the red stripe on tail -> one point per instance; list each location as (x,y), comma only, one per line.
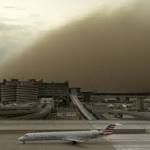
(109,129)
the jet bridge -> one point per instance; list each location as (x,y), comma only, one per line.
(79,105)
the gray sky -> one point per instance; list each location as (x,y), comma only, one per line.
(22,21)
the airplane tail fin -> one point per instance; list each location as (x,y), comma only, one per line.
(109,129)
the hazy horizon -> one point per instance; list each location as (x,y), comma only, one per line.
(105,50)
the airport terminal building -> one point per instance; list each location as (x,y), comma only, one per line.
(31,90)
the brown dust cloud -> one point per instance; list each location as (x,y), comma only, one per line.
(107,51)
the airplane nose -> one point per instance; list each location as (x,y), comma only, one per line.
(21,138)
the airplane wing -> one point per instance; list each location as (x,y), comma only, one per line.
(71,139)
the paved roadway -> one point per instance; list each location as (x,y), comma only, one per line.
(113,142)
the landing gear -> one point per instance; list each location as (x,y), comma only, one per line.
(74,142)
(23,142)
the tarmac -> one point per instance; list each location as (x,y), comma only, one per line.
(113,142)
(11,130)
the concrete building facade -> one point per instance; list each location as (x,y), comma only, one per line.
(27,91)
(55,90)
(8,91)
(31,91)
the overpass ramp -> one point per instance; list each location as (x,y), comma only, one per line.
(79,105)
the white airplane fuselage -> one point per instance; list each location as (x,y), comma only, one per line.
(62,135)
(71,136)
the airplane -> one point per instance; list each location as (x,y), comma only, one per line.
(70,136)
